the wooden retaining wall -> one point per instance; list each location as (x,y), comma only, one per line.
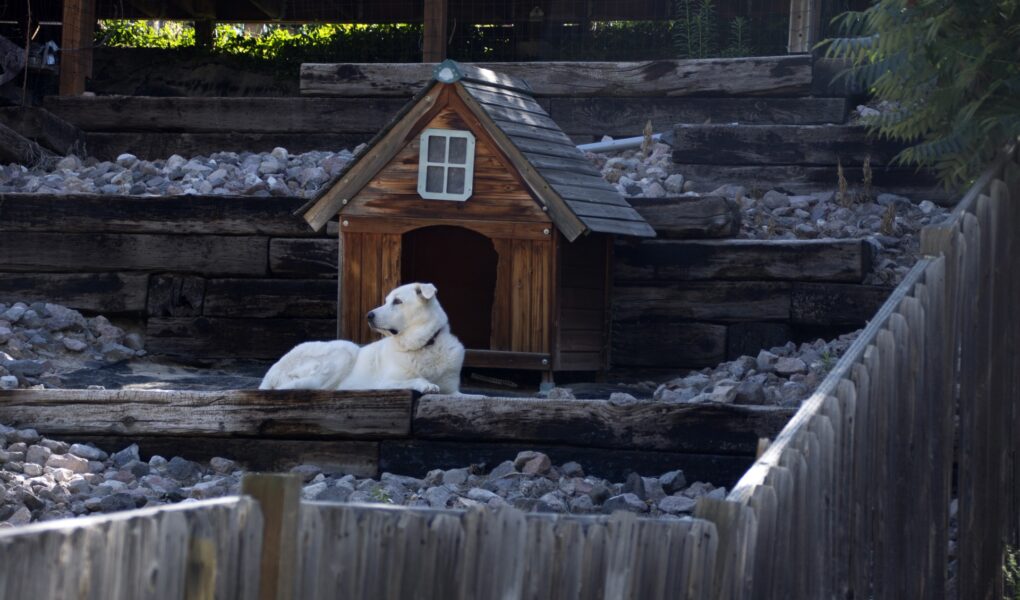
(368,433)
(240,277)
(853,498)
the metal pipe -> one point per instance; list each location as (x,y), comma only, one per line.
(615,145)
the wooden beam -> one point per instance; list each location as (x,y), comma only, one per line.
(79,27)
(279,497)
(781,76)
(268,414)
(44,128)
(805,25)
(15,148)
(434,44)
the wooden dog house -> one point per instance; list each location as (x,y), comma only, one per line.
(474,188)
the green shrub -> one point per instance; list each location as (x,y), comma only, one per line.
(950,71)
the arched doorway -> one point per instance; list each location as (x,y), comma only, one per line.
(462,264)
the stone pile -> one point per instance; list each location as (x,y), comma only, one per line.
(43,479)
(40,341)
(276,173)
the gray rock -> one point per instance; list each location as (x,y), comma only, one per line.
(751,390)
(635,484)
(723,394)
(621,399)
(123,457)
(68,461)
(627,502)
(674,183)
(117,502)
(437,497)
(677,504)
(22,516)
(455,476)
(481,495)
(37,455)
(337,493)
(221,465)
(113,352)
(558,393)
(307,472)
(773,200)
(23,436)
(766,361)
(208,489)
(729,190)
(31,469)
(582,504)
(181,469)
(551,502)
(8,382)
(673,481)
(312,491)
(572,469)
(502,469)
(74,345)
(787,366)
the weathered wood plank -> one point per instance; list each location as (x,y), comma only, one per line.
(205,338)
(758,76)
(279,498)
(304,257)
(225,114)
(799,179)
(795,260)
(779,145)
(357,457)
(151,145)
(270,298)
(748,338)
(645,425)
(624,117)
(703,301)
(44,128)
(264,413)
(91,213)
(176,551)
(834,304)
(667,344)
(16,148)
(690,217)
(227,255)
(109,293)
(418,457)
(175,296)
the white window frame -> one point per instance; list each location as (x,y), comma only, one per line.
(424,164)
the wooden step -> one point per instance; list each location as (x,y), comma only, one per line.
(44,128)
(805,145)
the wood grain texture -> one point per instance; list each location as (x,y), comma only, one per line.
(495,554)
(835,304)
(175,296)
(668,344)
(704,301)
(690,217)
(760,76)
(108,293)
(264,413)
(146,553)
(795,260)
(215,337)
(225,114)
(779,145)
(626,117)
(643,425)
(270,298)
(44,128)
(371,270)
(279,498)
(92,213)
(16,148)
(303,258)
(47,252)
(357,457)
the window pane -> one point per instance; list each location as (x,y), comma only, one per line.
(434,180)
(437,148)
(455,181)
(458,151)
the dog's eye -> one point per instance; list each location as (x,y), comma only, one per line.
(397,301)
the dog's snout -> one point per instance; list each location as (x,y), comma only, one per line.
(371,316)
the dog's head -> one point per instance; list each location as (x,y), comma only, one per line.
(411,314)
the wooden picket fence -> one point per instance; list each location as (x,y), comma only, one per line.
(852,500)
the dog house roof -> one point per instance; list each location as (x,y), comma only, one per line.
(578,199)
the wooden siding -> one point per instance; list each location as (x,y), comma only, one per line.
(370,269)
(583,304)
(521,315)
(498,192)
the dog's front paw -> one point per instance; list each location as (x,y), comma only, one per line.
(426,387)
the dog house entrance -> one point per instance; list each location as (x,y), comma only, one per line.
(462,264)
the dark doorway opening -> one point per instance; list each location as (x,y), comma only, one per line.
(462,265)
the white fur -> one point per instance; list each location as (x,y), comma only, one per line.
(401,360)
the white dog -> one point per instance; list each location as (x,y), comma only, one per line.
(417,352)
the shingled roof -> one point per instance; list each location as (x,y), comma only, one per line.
(578,199)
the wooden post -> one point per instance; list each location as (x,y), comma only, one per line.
(434,45)
(805,25)
(79,27)
(204,37)
(279,497)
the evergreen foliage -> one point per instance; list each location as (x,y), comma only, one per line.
(951,71)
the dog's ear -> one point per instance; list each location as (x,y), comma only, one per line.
(426,290)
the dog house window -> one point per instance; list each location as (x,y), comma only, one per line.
(446,164)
